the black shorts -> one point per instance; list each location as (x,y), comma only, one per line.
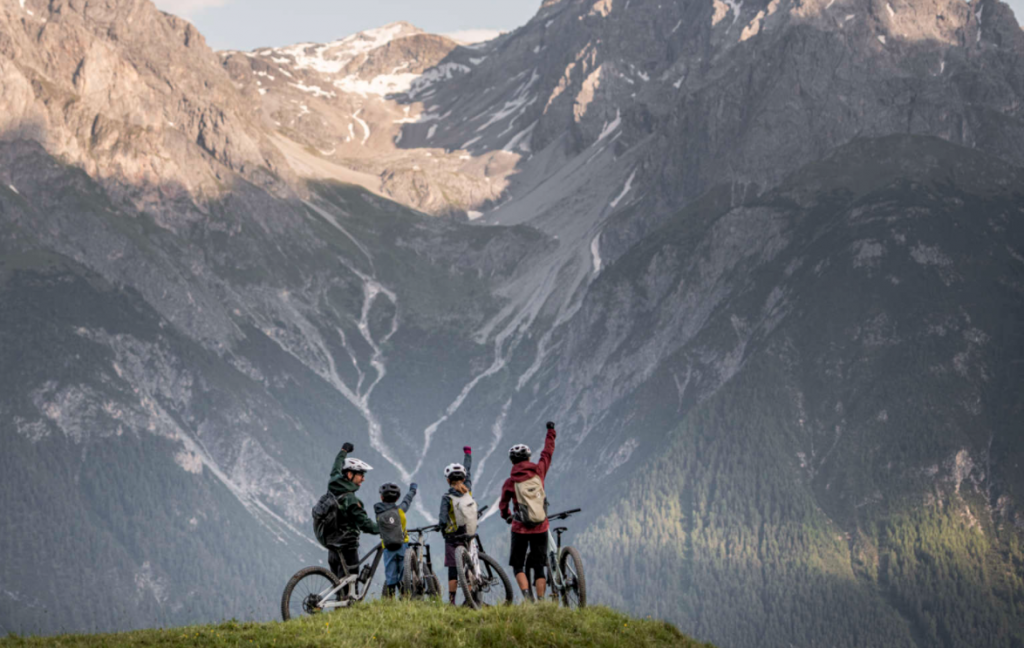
(449,551)
(537,543)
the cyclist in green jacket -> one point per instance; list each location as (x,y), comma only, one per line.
(346,477)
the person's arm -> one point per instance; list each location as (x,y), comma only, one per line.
(506,498)
(442,517)
(358,515)
(549,449)
(407,500)
(467,461)
(339,462)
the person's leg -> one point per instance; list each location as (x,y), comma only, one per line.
(517,561)
(537,560)
(390,572)
(453,578)
(453,584)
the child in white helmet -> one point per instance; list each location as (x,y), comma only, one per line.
(459,484)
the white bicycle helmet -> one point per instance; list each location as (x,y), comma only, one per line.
(456,469)
(355,465)
(519,452)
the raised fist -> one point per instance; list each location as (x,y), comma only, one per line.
(413,486)
(551,425)
(347,447)
(467,450)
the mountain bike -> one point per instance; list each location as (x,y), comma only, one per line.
(418,577)
(482,580)
(314,590)
(564,567)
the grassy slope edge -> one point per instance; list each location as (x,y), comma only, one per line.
(396,623)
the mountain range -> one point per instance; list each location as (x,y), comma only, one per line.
(762,262)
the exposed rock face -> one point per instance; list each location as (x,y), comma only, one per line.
(125,92)
(719,196)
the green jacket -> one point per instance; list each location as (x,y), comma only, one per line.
(352,518)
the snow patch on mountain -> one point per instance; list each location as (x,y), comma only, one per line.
(625,190)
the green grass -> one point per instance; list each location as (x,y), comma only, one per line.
(398,624)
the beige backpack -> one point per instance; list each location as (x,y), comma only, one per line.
(531,502)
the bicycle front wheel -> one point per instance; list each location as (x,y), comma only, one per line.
(467,577)
(574,592)
(411,585)
(305,592)
(433,586)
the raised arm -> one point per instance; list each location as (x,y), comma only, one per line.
(467,461)
(549,449)
(407,500)
(339,462)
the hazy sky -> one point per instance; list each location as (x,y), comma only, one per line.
(248,24)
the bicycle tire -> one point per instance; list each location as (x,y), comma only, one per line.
(502,576)
(433,586)
(410,577)
(310,574)
(574,592)
(466,578)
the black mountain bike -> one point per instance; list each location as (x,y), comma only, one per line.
(566,581)
(314,590)
(418,578)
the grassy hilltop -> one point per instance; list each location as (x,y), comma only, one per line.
(388,624)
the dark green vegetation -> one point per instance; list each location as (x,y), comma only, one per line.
(399,624)
(795,420)
(850,485)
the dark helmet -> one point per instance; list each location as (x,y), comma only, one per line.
(390,490)
(519,452)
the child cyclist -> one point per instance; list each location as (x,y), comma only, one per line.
(394,539)
(528,515)
(459,485)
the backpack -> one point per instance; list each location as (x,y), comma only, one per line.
(392,528)
(531,502)
(464,509)
(325,518)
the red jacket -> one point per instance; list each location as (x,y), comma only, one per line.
(521,472)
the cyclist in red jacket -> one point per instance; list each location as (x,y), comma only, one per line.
(528,514)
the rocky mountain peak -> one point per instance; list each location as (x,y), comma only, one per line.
(132,95)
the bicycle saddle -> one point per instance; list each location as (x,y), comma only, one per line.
(560,529)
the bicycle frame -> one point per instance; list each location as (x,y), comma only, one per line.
(328,597)
(419,544)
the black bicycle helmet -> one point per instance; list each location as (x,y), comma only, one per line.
(390,491)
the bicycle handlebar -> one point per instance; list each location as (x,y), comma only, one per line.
(437,527)
(563,514)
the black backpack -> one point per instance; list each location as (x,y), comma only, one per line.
(391,523)
(325,518)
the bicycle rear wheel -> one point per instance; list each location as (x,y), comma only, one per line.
(495,587)
(574,593)
(305,590)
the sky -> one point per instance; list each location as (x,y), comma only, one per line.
(249,24)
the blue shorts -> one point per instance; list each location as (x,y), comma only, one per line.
(394,565)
